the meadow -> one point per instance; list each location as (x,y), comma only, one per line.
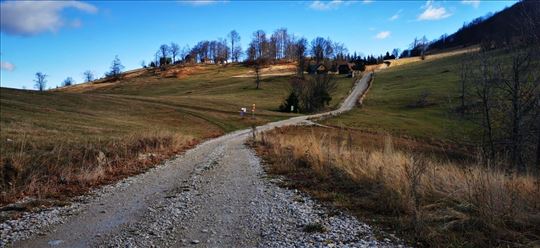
(60,143)
(391,105)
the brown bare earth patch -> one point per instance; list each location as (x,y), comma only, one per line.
(407,186)
(272,70)
(182,71)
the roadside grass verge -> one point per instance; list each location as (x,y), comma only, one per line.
(62,169)
(431,199)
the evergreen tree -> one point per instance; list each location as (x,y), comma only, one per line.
(290,104)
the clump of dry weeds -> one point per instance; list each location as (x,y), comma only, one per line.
(59,170)
(433,201)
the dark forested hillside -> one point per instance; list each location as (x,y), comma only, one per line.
(502,27)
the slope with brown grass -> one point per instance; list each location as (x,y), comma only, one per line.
(62,142)
(404,185)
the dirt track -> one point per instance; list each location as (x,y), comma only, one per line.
(215,195)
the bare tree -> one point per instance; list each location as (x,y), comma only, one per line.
(164,51)
(116,68)
(321,49)
(234,37)
(185,52)
(280,39)
(290,48)
(251,52)
(156,58)
(68,81)
(538,138)
(257,66)
(484,79)
(508,90)
(175,51)
(260,44)
(222,50)
(300,53)
(88,76)
(521,91)
(339,50)
(396,52)
(272,49)
(237,53)
(201,51)
(40,81)
(463,80)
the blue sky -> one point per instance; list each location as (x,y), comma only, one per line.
(65,39)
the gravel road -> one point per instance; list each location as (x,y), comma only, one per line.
(215,195)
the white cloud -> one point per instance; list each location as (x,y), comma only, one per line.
(329,5)
(432,12)
(367,1)
(382,35)
(33,17)
(395,16)
(326,5)
(474,3)
(7,66)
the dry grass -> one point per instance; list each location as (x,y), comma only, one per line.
(436,55)
(431,200)
(283,69)
(63,131)
(66,169)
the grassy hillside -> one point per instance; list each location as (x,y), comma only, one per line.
(390,104)
(59,143)
(225,88)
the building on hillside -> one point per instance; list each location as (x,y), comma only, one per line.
(345,69)
(318,69)
(206,61)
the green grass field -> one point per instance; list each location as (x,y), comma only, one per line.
(45,136)
(205,102)
(387,107)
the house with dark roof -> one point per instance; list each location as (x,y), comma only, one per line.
(318,69)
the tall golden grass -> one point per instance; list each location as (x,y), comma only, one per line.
(435,201)
(55,169)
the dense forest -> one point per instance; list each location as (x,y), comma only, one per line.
(501,28)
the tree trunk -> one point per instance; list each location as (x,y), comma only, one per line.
(516,123)
(489,130)
(538,150)
(257,78)
(463,79)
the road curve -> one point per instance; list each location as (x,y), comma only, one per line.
(215,195)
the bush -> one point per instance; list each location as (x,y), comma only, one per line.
(312,94)
(291,103)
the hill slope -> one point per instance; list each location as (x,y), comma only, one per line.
(502,27)
(57,143)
